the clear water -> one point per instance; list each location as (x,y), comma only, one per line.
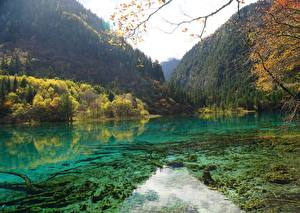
(94,167)
(176,190)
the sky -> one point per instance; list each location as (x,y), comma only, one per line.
(162,46)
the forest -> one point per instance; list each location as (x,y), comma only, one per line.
(24,99)
(60,38)
(217,71)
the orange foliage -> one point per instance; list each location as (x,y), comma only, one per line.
(285,3)
(278,43)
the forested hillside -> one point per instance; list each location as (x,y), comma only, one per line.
(169,67)
(60,38)
(32,99)
(217,71)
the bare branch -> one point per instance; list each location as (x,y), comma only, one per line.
(204,18)
(238,6)
(149,17)
(188,21)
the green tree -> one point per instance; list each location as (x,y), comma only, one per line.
(23,83)
(29,94)
(2,91)
(15,65)
(4,65)
(66,108)
(15,84)
(28,66)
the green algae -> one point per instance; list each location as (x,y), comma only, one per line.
(279,174)
(254,176)
(97,187)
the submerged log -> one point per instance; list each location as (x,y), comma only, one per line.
(28,187)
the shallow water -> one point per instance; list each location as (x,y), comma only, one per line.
(94,167)
(176,190)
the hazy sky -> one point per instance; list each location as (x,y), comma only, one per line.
(161,46)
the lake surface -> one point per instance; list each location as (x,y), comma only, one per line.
(133,166)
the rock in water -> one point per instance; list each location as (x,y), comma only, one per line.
(207,179)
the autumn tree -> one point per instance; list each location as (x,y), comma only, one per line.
(131,19)
(66,108)
(276,52)
(24,98)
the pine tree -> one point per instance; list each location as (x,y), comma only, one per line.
(23,83)
(15,65)
(11,67)
(2,65)
(18,64)
(8,85)
(28,66)
(30,93)
(15,85)
(2,91)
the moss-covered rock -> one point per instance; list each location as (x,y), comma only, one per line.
(279,174)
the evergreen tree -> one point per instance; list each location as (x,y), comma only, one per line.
(2,90)
(4,65)
(15,84)
(30,93)
(8,84)
(28,66)
(14,66)
(23,83)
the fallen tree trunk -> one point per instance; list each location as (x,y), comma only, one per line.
(30,188)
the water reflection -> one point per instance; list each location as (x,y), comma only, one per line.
(175,190)
(28,147)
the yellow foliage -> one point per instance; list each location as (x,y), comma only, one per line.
(53,99)
(276,47)
(38,101)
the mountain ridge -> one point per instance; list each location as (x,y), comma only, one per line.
(60,38)
(217,70)
(168,67)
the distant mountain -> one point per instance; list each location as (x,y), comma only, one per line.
(217,70)
(60,38)
(168,67)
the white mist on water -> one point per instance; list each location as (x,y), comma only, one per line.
(175,190)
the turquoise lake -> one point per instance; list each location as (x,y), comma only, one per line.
(253,160)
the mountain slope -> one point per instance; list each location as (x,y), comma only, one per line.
(217,71)
(60,38)
(168,67)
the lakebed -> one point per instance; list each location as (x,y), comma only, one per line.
(253,163)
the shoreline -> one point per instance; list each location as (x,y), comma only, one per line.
(134,118)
